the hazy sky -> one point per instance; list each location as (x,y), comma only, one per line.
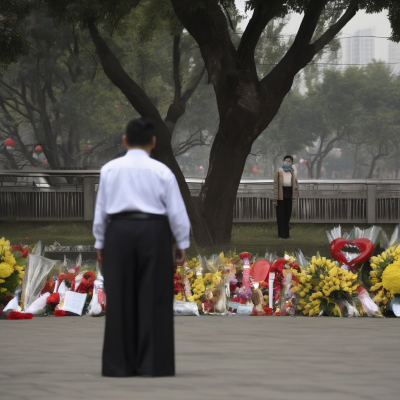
(360,21)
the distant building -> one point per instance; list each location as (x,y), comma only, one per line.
(394,56)
(360,48)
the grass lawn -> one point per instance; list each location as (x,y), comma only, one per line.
(255,238)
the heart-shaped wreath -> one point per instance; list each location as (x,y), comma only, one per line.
(365,247)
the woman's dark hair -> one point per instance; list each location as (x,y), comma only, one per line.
(284,158)
(140,131)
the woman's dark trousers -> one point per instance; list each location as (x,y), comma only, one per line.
(283,214)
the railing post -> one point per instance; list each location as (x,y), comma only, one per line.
(371,204)
(88,198)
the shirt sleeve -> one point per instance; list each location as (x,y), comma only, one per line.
(100,215)
(177,215)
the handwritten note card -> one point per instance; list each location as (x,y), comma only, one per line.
(74,302)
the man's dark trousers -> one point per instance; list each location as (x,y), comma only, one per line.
(138,275)
(283,215)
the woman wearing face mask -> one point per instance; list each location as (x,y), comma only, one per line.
(286,191)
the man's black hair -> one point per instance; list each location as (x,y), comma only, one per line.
(284,158)
(140,131)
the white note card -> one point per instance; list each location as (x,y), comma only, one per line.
(74,302)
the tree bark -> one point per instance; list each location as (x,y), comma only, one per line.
(246,105)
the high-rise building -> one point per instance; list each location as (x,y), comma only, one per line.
(360,48)
(394,56)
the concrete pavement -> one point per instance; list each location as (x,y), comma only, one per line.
(217,358)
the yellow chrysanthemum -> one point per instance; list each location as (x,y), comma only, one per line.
(5,270)
(391,278)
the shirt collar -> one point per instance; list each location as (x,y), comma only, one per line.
(137,153)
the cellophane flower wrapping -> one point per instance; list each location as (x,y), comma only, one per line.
(185,308)
(98,303)
(39,305)
(36,271)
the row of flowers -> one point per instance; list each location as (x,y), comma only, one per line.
(225,283)
(319,286)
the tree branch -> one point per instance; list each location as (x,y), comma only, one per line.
(330,34)
(295,59)
(209,28)
(262,15)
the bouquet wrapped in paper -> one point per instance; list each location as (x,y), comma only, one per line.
(36,271)
(97,304)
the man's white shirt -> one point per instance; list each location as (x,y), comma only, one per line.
(136,182)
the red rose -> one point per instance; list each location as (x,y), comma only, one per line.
(59,313)
(242,301)
(53,299)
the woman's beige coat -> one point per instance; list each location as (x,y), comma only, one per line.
(278,184)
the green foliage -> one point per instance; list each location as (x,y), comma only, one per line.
(13,42)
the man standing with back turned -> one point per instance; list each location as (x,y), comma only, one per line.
(138,205)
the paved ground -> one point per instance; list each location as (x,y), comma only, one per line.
(217,358)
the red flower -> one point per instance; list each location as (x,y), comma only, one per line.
(1,312)
(99,260)
(53,299)
(267,310)
(60,313)
(19,248)
(18,315)
(235,300)
(245,255)
(48,287)
(90,275)
(66,277)
(85,286)
(242,301)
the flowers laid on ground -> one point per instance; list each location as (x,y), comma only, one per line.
(324,287)
(385,277)
(12,267)
(222,284)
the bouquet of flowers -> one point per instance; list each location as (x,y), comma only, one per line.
(324,287)
(385,277)
(12,268)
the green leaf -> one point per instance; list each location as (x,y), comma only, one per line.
(17,255)
(21,262)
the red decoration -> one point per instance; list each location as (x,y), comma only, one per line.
(23,251)
(89,147)
(48,287)
(201,168)
(53,299)
(260,270)
(255,170)
(19,316)
(60,313)
(9,142)
(365,246)
(47,163)
(265,313)
(38,148)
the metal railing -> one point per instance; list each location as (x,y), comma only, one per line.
(71,195)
